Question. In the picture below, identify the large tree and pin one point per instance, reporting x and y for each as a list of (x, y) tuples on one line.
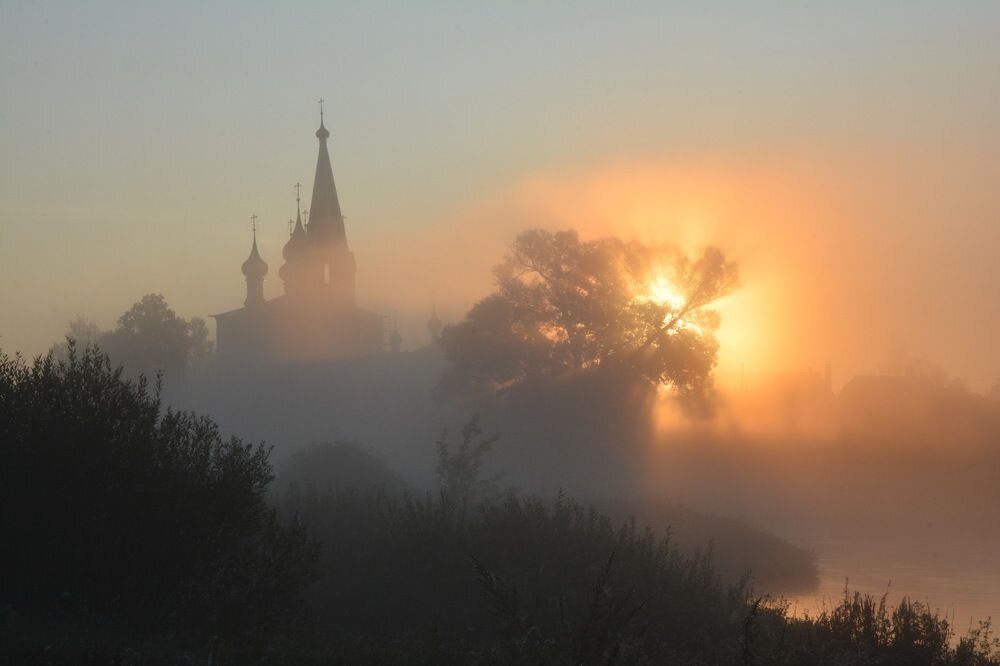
[(563, 305)]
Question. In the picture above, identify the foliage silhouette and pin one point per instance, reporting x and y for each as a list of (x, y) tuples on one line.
[(117, 510), (113, 507), (564, 305), (459, 472), (509, 579), (83, 332), (148, 339)]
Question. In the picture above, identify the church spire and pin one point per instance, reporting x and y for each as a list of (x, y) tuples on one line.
[(327, 222)]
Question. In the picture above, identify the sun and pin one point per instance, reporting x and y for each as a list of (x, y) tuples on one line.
[(661, 292)]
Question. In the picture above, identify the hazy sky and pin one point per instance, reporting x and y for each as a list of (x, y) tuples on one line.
[(846, 153)]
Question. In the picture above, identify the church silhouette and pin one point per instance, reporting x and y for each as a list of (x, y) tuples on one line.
[(317, 318)]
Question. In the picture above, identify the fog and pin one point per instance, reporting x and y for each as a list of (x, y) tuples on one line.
[(762, 323), (844, 259), (874, 265)]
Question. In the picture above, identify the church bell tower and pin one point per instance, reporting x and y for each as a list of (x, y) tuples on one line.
[(319, 265)]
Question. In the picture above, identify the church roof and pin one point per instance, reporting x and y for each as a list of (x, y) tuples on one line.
[(239, 313), (281, 306)]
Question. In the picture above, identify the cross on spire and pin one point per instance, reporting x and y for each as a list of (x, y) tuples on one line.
[(320, 111), (253, 224), (298, 194)]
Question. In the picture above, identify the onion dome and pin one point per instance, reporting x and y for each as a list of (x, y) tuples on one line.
[(254, 266), (321, 133), (297, 241)]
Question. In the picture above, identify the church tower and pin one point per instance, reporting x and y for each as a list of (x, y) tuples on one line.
[(319, 266), (317, 319), (334, 261)]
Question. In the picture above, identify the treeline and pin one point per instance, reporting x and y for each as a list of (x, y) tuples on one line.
[(148, 339), (133, 534)]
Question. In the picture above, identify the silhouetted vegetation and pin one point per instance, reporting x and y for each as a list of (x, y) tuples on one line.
[(134, 534), (863, 630), (563, 305), (471, 574), (148, 339), (577, 342), (510, 576), (115, 509)]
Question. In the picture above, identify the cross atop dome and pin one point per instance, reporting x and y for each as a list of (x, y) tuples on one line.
[(322, 133)]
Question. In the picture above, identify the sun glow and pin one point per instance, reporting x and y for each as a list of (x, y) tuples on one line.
[(661, 292)]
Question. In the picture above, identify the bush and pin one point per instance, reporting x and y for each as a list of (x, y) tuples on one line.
[(112, 507)]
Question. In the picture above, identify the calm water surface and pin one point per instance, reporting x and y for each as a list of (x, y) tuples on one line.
[(957, 574)]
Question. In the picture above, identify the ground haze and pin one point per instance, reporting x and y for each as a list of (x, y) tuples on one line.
[(551, 334)]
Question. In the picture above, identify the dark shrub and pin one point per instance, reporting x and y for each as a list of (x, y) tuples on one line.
[(111, 506)]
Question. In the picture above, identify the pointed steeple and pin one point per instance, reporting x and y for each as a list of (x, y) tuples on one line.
[(326, 223)]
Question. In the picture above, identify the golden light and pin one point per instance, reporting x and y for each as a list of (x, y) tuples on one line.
[(735, 202), (661, 292)]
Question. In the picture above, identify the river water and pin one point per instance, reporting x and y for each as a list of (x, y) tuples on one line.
[(956, 574)]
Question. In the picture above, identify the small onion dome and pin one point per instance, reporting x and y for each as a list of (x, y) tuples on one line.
[(322, 132), (254, 266), (296, 242)]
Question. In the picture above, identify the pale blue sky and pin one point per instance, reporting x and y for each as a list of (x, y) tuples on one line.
[(135, 140)]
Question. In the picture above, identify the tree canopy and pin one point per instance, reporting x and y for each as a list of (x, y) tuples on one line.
[(149, 338), (563, 305)]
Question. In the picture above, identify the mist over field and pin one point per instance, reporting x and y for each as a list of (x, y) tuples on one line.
[(549, 335)]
